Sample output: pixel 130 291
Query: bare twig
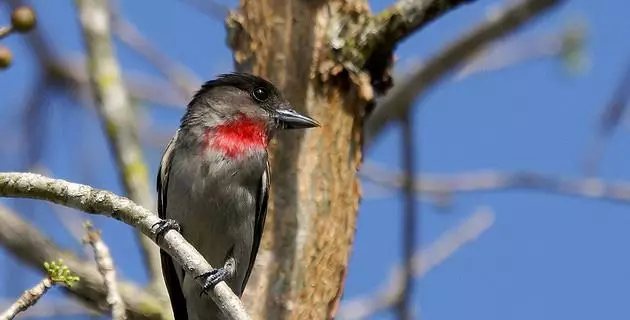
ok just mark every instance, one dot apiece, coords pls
pixel 424 261
pixel 57 274
pixel 118 118
pixel 444 185
pixel 609 120
pixel 180 76
pixel 5 31
pixel 27 299
pixel 71 73
pixel 105 265
pixel 96 201
pixel 51 308
pixel 401 97
pixel 29 245
pixel 409 223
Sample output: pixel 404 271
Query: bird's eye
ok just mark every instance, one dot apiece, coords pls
pixel 260 94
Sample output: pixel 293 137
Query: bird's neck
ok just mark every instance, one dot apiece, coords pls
pixel 237 137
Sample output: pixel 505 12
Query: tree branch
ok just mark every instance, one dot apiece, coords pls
pixel 5 31
pixel 105 265
pixel 410 215
pixel 72 74
pixel 394 24
pixel 28 299
pixel 97 201
pixel 29 245
pixel 180 76
pixel 400 98
pixel 444 185
pixel 424 261
pixel 609 120
pixel 53 307
pixel 118 118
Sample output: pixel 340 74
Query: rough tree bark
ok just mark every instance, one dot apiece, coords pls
pixel 311 219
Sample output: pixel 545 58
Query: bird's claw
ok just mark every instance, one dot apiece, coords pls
pixel 213 277
pixel 165 225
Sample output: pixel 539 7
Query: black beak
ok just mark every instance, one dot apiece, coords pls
pixel 291 119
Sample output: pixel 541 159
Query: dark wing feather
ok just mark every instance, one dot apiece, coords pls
pixel 178 301
pixel 259 223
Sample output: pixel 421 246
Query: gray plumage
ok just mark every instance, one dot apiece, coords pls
pixel 216 187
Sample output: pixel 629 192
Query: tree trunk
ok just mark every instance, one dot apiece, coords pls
pixel 315 192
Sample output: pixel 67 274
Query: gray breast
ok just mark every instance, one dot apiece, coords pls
pixel 214 200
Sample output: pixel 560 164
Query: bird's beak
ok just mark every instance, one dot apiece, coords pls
pixel 291 119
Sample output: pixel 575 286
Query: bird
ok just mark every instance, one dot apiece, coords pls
pixel 213 184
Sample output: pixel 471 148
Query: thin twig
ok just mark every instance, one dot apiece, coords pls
pixel 117 115
pixel 401 96
pixel 105 265
pixel 32 248
pixel 71 74
pixel 57 274
pixel 5 31
pixel 51 308
pixel 444 185
pixel 27 299
pixel 180 76
pixel 424 261
pixel 609 120
pixel 102 202
pixel 409 223
pixel 511 52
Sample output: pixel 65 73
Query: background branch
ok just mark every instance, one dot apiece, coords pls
pixel 444 185
pixel 387 29
pixel 401 96
pixel 96 201
pixel 53 307
pixel 609 120
pixel 423 261
pixel 409 222
pixel 29 245
pixel 119 120
pixel 181 77
pixel 105 265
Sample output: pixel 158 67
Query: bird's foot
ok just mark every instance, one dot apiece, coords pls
pixel 165 225
pixel 215 276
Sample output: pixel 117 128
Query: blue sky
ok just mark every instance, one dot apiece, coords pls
pixel 545 257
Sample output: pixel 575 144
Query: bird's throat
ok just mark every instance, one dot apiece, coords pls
pixel 237 137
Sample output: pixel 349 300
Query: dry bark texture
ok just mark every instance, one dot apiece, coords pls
pixel 315 192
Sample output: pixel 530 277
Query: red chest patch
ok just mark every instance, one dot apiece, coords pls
pixel 237 137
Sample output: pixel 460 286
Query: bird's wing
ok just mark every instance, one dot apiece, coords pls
pixel 178 301
pixel 259 223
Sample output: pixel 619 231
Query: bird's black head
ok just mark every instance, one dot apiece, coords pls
pixel 241 95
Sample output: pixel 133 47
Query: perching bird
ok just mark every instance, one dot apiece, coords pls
pixel 213 184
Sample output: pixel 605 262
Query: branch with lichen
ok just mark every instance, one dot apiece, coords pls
pixel 56 274
pixel 102 202
pixel 105 265
pixel 385 30
pixel 117 115
pixel 363 44
pixel 401 20
pixel 33 248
